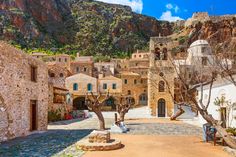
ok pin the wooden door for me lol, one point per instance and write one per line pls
(161, 108)
(33, 115)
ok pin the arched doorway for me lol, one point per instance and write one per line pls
(143, 99)
(161, 108)
(79, 104)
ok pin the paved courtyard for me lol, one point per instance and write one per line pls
(152, 136)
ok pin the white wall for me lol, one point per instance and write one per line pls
(229, 91)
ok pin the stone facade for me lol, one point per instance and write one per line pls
(104, 68)
(133, 85)
(59, 97)
(79, 86)
(84, 67)
(63, 60)
(23, 95)
(110, 84)
(161, 72)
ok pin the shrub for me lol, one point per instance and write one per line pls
(54, 116)
(232, 131)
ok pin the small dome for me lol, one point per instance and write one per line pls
(199, 42)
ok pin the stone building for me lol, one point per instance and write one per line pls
(63, 60)
(104, 68)
(23, 94)
(113, 86)
(82, 64)
(139, 63)
(59, 97)
(161, 72)
(133, 85)
(79, 85)
(39, 55)
(121, 65)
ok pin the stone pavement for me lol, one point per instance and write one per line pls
(141, 112)
(60, 138)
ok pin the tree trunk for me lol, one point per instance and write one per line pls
(101, 120)
(177, 114)
(122, 116)
(222, 131)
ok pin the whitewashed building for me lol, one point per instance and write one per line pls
(222, 88)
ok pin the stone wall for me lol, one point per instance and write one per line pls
(17, 90)
(136, 88)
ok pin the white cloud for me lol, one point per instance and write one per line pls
(174, 7)
(136, 5)
(169, 6)
(167, 16)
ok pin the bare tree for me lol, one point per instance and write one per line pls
(95, 104)
(201, 76)
(124, 103)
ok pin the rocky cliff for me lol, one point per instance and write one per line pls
(219, 31)
(92, 27)
(76, 25)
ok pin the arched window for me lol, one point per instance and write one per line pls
(165, 53)
(75, 86)
(89, 87)
(61, 75)
(161, 86)
(51, 74)
(157, 53)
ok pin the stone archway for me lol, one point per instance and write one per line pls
(161, 108)
(79, 104)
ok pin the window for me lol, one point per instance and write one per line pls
(113, 86)
(89, 87)
(33, 73)
(59, 59)
(61, 75)
(51, 74)
(65, 59)
(161, 74)
(85, 69)
(129, 92)
(77, 69)
(104, 86)
(75, 86)
(161, 86)
(135, 81)
(136, 64)
(204, 60)
(126, 81)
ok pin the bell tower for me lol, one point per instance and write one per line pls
(160, 78)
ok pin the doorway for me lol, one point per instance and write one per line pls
(223, 116)
(79, 104)
(161, 108)
(33, 115)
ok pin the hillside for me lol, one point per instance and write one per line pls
(77, 25)
(96, 28)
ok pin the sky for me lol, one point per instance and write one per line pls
(172, 10)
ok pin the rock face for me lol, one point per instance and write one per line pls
(92, 27)
(85, 25)
(19, 94)
(219, 31)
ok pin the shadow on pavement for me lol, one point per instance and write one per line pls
(42, 144)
